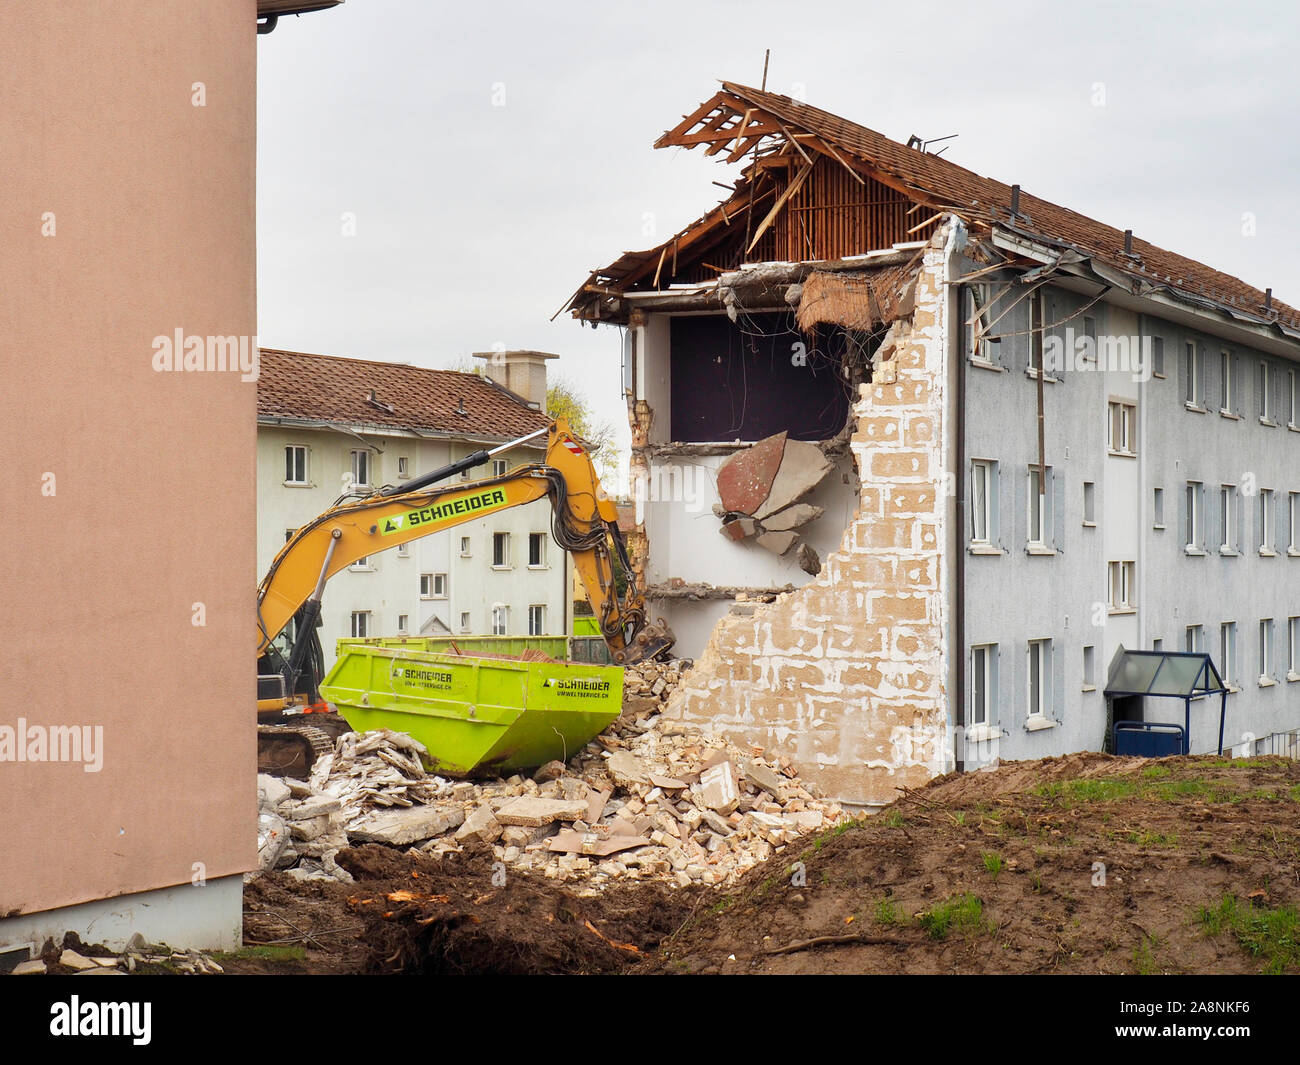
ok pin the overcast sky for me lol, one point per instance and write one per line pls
(492, 154)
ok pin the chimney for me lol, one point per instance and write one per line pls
(521, 372)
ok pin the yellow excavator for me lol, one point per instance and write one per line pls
(584, 523)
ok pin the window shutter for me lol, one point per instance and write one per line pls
(1281, 512)
(1020, 493)
(1058, 680)
(1259, 390)
(1205, 374)
(1213, 519)
(994, 687)
(1239, 502)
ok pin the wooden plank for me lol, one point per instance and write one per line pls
(791, 189)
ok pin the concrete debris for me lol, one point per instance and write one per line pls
(792, 517)
(777, 542)
(802, 468)
(73, 960)
(533, 812)
(28, 968)
(809, 561)
(760, 488)
(402, 827)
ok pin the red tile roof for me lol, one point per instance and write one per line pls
(327, 388)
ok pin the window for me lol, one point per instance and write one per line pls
(1293, 648)
(403, 467)
(1122, 436)
(498, 467)
(537, 620)
(1157, 357)
(288, 534)
(1089, 668)
(1036, 332)
(464, 621)
(1089, 503)
(433, 586)
(1291, 401)
(1157, 645)
(1192, 374)
(1158, 508)
(464, 547)
(404, 550)
(536, 549)
(500, 550)
(1267, 517)
(360, 470)
(983, 501)
(1293, 506)
(403, 623)
(1194, 515)
(1266, 649)
(363, 563)
(976, 316)
(1265, 403)
(1228, 653)
(1090, 333)
(1194, 639)
(1122, 575)
(361, 623)
(295, 464)
(500, 620)
(983, 677)
(1040, 507)
(1229, 393)
(1040, 677)
(1228, 518)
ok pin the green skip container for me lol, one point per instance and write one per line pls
(476, 713)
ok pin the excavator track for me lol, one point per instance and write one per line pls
(291, 750)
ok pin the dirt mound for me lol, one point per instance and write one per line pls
(1085, 864)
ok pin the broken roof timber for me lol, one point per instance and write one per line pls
(736, 114)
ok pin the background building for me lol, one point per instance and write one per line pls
(326, 422)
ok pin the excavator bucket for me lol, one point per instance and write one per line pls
(653, 640)
(477, 713)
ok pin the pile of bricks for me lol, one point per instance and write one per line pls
(647, 799)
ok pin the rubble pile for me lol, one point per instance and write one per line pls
(138, 955)
(647, 799)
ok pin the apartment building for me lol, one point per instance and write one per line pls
(328, 424)
(1023, 439)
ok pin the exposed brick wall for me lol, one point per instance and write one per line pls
(848, 675)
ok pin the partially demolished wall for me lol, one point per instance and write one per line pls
(848, 674)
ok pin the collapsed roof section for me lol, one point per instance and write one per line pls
(821, 189)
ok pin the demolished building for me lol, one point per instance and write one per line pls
(919, 452)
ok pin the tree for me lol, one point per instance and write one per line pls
(564, 400)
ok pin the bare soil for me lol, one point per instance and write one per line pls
(1083, 864)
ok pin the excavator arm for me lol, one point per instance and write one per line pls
(584, 523)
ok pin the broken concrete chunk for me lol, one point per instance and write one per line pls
(802, 468)
(534, 812)
(667, 783)
(809, 561)
(791, 517)
(73, 960)
(28, 968)
(719, 790)
(745, 480)
(317, 806)
(399, 828)
(309, 829)
(550, 771)
(570, 842)
(272, 840)
(270, 791)
(761, 777)
(739, 528)
(627, 770)
(776, 542)
(481, 826)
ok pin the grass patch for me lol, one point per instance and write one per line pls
(894, 819)
(887, 914)
(1144, 960)
(1149, 789)
(1272, 935)
(992, 863)
(962, 912)
(1156, 772)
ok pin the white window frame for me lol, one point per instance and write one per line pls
(464, 621)
(466, 547)
(426, 585)
(1121, 427)
(362, 565)
(360, 624)
(403, 624)
(1089, 667)
(404, 550)
(1292, 398)
(1228, 504)
(500, 467)
(1039, 653)
(1293, 506)
(1039, 508)
(1090, 504)
(1121, 582)
(403, 467)
(1194, 499)
(1293, 648)
(540, 540)
(499, 618)
(537, 619)
(1228, 383)
(1267, 521)
(1265, 398)
(502, 539)
(293, 482)
(1266, 631)
(982, 677)
(978, 299)
(1228, 654)
(1192, 362)
(1194, 639)
(1158, 508)
(361, 462)
(983, 501)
